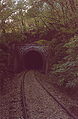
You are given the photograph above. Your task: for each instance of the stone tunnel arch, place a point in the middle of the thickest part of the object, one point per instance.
(31, 58)
(34, 59)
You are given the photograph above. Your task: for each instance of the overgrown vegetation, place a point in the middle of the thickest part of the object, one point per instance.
(40, 21)
(66, 70)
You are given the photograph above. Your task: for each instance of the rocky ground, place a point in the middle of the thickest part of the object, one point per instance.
(10, 99)
(39, 104)
(68, 98)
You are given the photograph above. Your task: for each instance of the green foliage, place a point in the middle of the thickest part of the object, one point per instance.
(42, 42)
(67, 69)
(25, 14)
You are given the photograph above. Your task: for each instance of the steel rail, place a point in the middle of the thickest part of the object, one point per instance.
(51, 95)
(23, 98)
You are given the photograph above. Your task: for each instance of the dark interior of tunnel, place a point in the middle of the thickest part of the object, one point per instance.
(33, 60)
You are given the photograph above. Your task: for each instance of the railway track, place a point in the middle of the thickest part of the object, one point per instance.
(24, 111)
(53, 97)
(18, 106)
(23, 98)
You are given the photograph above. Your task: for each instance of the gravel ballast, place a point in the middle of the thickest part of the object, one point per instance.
(40, 104)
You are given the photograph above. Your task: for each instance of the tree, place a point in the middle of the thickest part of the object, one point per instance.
(5, 13)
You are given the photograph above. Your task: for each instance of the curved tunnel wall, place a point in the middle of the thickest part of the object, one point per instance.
(32, 59)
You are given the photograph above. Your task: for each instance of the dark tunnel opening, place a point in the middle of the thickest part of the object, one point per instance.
(33, 60)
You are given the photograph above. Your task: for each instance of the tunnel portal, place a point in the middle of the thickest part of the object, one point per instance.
(33, 60)
(30, 56)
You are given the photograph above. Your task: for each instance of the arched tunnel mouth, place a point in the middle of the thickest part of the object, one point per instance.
(33, 60)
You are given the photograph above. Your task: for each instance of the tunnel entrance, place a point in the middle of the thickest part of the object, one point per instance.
(33, 60)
